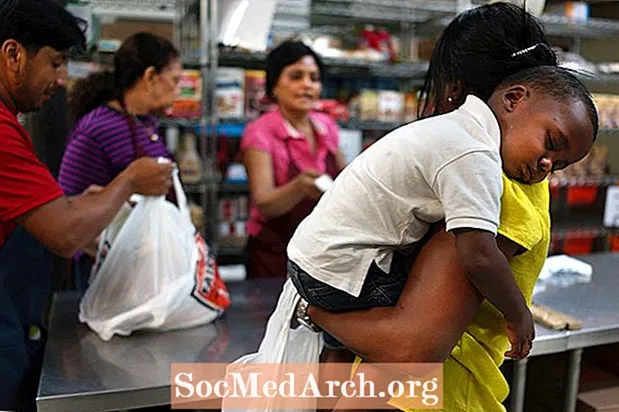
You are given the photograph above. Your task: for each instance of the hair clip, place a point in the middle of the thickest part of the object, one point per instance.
(524, 51)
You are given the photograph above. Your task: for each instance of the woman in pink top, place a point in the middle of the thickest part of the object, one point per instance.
(284, 152)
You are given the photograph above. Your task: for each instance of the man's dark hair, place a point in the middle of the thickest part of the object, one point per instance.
(39, 23)
(558, 83)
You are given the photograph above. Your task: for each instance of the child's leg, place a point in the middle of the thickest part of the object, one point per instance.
(437, 292)
(379, 289)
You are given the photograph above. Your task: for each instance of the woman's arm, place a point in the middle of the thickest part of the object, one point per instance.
(276, 201)
(436, 305)
(340, 160)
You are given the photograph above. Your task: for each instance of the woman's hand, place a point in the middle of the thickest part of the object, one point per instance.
(305, 184)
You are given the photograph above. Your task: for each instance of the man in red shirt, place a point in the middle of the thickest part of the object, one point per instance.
(35, 37)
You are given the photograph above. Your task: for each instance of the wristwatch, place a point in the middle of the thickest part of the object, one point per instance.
(303, 318)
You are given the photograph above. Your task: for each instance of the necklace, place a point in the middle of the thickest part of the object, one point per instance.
(154, 136)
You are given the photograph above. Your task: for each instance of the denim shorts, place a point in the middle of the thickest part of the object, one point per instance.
(379, 289)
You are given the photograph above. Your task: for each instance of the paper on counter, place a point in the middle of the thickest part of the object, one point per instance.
(563, 270)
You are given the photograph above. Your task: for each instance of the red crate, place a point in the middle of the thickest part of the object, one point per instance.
(578, 245)
(582, 195)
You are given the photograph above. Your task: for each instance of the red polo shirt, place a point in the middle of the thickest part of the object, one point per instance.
(25, 182)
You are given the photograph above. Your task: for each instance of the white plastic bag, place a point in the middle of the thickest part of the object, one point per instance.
(153, 271)
(281, 344)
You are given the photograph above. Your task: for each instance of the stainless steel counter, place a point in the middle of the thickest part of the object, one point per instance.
(597, 304)
(83, 373)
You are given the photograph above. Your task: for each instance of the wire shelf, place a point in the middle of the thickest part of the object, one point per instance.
(151, 10)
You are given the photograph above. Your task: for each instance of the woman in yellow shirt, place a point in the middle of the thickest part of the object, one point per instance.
(472, 379)
(438, 305)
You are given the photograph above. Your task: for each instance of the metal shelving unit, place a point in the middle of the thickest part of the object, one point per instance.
(555, 25)
(196, 34)
(146, 10)
(584, 181)
(389, 11)
(225, 125)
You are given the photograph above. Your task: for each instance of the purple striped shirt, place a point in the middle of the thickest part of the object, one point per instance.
(101, 146)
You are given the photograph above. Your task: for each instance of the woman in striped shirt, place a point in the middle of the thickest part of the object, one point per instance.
(115, 116)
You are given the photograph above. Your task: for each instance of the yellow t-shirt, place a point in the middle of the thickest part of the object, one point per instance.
(472, 379)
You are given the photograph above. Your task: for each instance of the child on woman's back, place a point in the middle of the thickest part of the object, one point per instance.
(344, 256)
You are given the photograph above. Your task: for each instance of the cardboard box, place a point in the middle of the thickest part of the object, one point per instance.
(189, 101)
(230, 92)
(390, 106)
(255, 93)
(606, 400)
(368, 105)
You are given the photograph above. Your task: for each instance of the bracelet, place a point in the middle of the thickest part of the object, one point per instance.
(303, 318)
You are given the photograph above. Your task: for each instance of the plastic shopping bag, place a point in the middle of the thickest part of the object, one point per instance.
(281, 344)
(153, 271)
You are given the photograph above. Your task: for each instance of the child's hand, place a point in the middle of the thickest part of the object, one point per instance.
(520, 334)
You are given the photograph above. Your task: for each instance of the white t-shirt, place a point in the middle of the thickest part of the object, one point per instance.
(445, 167)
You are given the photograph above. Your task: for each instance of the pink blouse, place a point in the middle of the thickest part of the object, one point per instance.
(273, 134)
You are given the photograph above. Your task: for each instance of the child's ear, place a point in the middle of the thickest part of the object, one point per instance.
(514, 96)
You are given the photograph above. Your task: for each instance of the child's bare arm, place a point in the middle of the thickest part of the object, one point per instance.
(489, 271)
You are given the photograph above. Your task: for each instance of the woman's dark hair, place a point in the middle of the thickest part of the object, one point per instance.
(479, 49)
(137, 53)
(284, 55)
(40, 23)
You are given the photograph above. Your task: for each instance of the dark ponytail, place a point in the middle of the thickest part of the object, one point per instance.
(89, 93)
(133, 58)
(479, 49)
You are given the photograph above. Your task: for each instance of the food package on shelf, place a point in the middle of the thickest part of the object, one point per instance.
(333, 108)
(228, 209)
(410, 107)
(188, 102)
(327, 46)
(197, 216)
(236, 173)
(242, 208)
(189, 162)
(367, 54)
(230, 92)
(368, 105)
(598, 160)
(354, 107)
(378, 40)
(574, 10)
(594, 164)
(233, 234)
(608, 110)
(233, 212)
(390, 106)
(425, 48)
(255, 93)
